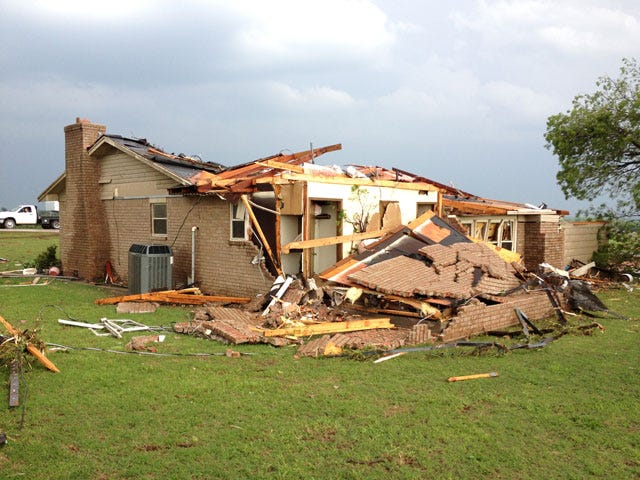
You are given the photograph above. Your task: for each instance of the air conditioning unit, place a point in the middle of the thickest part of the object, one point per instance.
(150, 268)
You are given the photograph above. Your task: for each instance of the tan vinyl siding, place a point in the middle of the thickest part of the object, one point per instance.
(123, 176)
(581, 240)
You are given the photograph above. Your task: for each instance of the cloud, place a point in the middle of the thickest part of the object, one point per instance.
(315, 98)
(518, 102)
(576, 27)
(177, 43)
(293, 29)
(68, 10)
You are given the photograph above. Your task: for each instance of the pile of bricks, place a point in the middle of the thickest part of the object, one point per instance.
(230, 325)
(455, 287)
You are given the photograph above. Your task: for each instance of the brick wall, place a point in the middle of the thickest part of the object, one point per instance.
(543, 241)
(477, 318)
(222, 267)
(129, 222)
(83, 244)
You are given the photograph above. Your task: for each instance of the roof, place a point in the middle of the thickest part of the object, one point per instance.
(466, 204)
(426, 258)
(243, 178)
(181, 167)
(192, 174)
(54, 189)
(428, 229)
(299, 166)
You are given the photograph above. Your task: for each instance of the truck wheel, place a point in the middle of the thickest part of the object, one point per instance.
(9, 223)
(55, 224)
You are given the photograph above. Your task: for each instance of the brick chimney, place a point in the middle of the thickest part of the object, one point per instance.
(84, 246)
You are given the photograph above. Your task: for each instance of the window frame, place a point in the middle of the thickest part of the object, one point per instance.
(484, 224)
(235, 209)
(158, 218)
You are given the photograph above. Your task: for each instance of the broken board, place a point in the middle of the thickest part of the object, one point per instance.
(331, 327)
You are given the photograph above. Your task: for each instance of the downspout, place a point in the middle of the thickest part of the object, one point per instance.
(192, 278)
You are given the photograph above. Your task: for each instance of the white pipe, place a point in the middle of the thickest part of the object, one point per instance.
(192, 279)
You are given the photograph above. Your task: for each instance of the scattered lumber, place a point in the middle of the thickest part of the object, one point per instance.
(182, 297)
(331, 327)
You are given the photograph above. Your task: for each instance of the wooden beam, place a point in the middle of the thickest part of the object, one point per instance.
(331, 327)
(32, 349)
(171, 296)
(281, 166)
(400, 313)
(323, 242)
(304, 156)
(475, 208)
(423, 304)
(252, 168)
(261, 234)
(343, 180)
(386, 311)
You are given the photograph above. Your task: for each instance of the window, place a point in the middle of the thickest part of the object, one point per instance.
(507, 236)
(238, 221)
(159, 219)
(424, 207)
(497, 231)
(480, 229)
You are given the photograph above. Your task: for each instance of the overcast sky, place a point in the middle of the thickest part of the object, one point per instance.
(455, 91)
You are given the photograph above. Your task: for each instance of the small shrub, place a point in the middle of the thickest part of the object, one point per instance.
(47, 259)
(621, 252)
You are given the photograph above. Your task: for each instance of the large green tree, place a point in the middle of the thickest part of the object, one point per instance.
(597, 143)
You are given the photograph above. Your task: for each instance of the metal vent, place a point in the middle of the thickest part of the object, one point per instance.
(150, 268)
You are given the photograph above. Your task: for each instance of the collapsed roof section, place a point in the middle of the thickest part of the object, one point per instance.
(456, 286)
(427, 258)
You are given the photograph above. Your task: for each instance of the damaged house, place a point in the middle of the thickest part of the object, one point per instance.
(232, 231)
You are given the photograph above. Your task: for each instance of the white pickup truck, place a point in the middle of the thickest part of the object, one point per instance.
(28, 215)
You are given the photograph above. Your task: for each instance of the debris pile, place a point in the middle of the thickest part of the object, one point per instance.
(429, 271)
(229, 325)
(421, 283)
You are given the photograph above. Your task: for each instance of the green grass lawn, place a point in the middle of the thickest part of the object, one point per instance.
(17, 248)
(570, 410)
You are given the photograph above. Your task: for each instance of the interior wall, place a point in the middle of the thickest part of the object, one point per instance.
(326, 225)
(291, 230)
